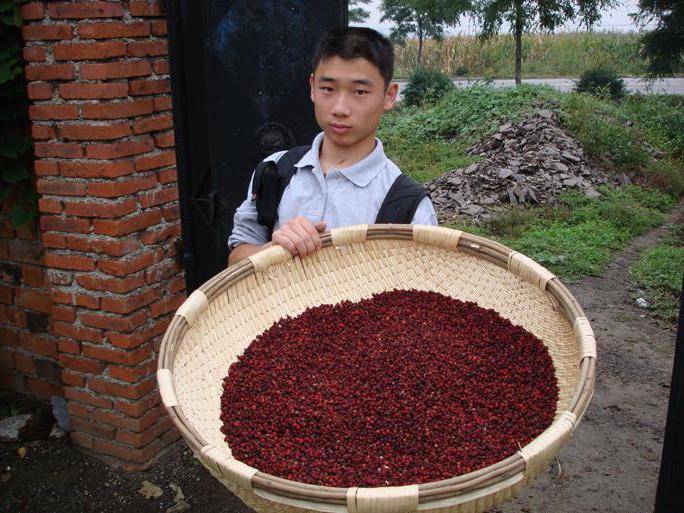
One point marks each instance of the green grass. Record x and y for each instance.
(659, 274)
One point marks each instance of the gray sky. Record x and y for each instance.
(616, 19)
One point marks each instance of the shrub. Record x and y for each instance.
(462, 71)
(601, 81)
(426, 86)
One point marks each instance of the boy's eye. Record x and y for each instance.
(361, 92)
(326, 89)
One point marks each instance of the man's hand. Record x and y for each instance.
(299, 236)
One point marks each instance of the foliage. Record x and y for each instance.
(666, 174)
(602, 81)
(525, 15)
(356, 13)
(664, 45)
(16, 191)
(543, 55)
(659, 273)
(424, 18)
(426, 86)
(661, 118)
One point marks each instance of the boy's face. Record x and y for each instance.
(349, 99)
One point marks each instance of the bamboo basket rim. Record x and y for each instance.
(471, 244)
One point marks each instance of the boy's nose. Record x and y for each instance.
(341, 106)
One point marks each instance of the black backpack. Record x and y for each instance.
(271, 179)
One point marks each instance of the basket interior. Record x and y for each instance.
(247, 308)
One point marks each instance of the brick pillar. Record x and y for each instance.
(98, 80)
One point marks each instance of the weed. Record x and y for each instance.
(659, 273)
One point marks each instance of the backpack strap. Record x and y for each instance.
(270, 181)
(401, 201)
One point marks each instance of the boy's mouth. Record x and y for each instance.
(340, 129)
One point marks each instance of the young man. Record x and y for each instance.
(344, 178)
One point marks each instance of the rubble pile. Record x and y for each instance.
(529, 162)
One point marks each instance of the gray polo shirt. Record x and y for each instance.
(343, 197)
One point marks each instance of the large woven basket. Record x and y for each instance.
(221, 318)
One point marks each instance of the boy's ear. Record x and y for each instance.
(311, 85)
(391, 95)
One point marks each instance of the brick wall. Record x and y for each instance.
(97, 74)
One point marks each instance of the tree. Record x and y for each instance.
(663, 46)
(527, 15)
(424, 18)
(358, 14)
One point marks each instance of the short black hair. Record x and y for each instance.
(354, 43)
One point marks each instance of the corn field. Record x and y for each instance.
(544, 55)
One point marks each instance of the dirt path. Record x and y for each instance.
(610, 465)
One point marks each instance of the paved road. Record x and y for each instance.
(667, 85)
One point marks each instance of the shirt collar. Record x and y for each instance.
(360, 174)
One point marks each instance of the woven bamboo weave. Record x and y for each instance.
(221, 318)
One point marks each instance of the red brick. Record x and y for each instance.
(126, 267)
(168, 176)
(161, 67)
(34, 54)
(67, 314)
(159, 197)
(130, 303)
(57, 277)
(89, 51)
(139, 408)
(111, 247)
(144, 8)
(7, 295)
(60, 187)
(45, 112)
(76, 332)
(140, 439)
(55, 149)
(34, 300)
(115, 70)
(109, 322)
(120, 188)
(45, 168)
(113, 30)
(73, 10)
(78, 364)
(75, 262)
(26, 231)
(53, 240)
(78, 91)
(162, 159)
(65, 345)
(50, 72)
(168, 305)
(141, 87)
(166, 140)
(7, 360)
(128, 391)
(147, 48)
(38, 344)
(41, 389)
(119, 285)
(133, 374)
(100, 209)
(137, 460)
(84, 396)
(171, 212)
(96, 169)
(26, 251)
(24, 363)
(33, 275)
(32, 11)
(65, 224)
(40, 91)
(152, 124)
(46, 32)
(60, 296)
(72, 379)
(120, 149)
(87, 301)
(159, 28)
(156, 236)
(162, 103)
(42, 132)
(81, 439)
(98, 430)
(118, 110)
(116, 228)
(13, 316)
(126, 341)
(8, 337)
(94, 132)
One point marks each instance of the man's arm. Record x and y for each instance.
(245, 250)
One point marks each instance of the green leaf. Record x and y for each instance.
(9, 71)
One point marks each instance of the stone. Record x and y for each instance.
(11, 427)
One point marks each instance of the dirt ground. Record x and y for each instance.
(610, 465)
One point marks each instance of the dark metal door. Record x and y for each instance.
(239, 74)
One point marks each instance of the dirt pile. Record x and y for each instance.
(529, 162)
